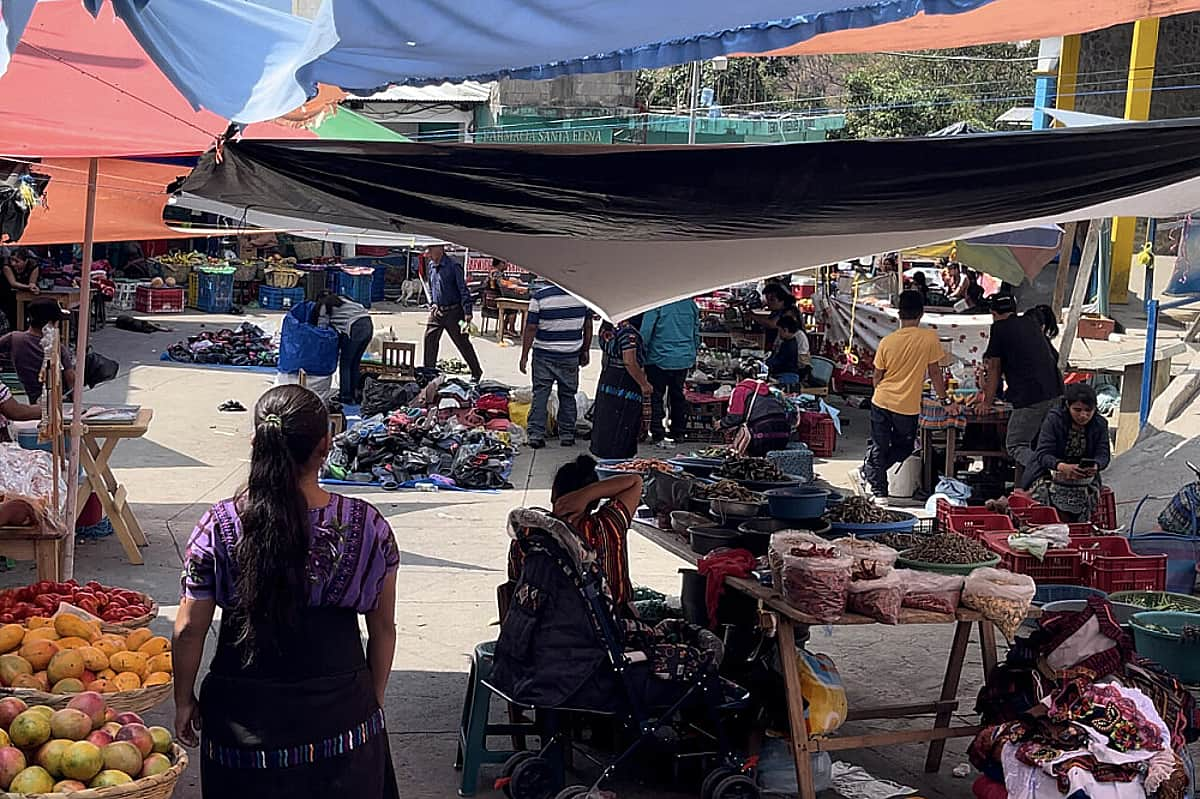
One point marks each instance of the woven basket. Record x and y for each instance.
(247, 271)
(306, 250)
(178, 271)
(160, 786)
(138, 701)
(281, 277)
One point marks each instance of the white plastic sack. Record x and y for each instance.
(905, 477)
(322, 386)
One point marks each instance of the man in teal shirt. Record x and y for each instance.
(672, 338)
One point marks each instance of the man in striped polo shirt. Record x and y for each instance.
(558, 329)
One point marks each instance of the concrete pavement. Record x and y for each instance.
(453, 554)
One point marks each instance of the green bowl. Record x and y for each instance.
(945, 568)
(1184, 603)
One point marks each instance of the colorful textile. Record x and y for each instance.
(605, 533)
(936, 416)
(351, 550)
(716, 567)
(615, 341)
(348, 741)
(1174, 702)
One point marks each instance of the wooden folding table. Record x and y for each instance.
(99, 442)
(784, 619)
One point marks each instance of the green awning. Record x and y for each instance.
(346, 125)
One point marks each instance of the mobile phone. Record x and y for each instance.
(1087, 463)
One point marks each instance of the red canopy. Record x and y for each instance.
(83, 88)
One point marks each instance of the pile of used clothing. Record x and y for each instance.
(1074, 712)
(440, 432)
(245, 345)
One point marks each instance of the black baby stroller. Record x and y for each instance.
(562, 648)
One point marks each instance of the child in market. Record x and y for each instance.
(789, 359)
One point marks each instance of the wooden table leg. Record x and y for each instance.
(786, 638)
(20, 314)
(951, 446)
(958, 653)
(927, 460)
(47, 554)
(101, 454)
(115, 516)
(987, 647)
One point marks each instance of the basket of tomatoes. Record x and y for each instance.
(117, 609)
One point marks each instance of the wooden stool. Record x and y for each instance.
(399, 359)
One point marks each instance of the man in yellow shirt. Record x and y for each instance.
(901, 363)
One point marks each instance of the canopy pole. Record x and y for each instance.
(1083, 277)
(85, 299)
(695, 96)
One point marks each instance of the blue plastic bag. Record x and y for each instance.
(304, 346)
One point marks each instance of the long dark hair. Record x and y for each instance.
(290, 424)
(326, 300)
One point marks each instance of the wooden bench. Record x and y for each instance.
(43, 547)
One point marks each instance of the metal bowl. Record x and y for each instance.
(682, 520)
(723, 509)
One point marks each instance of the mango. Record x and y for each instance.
(109, 645)
(38, 652)
(11, 636)
(71, 643)
(38, 622)
(69, 625)
(13, 666)
(93, 659)
(27, 681)
(138, 637)
(65, 665)
(42, 634)
(71, 685)
(155, 646)
(105, 674)
(30, 729)
(134, 662)
(161, 662)
(157, 678)
(34, 779)
(127, 681)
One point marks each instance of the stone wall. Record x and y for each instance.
(1104, 67)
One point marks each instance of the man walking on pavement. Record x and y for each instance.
(902, 361)
(558, 329)
(672, 336)
(451, 308)
(1019, 350)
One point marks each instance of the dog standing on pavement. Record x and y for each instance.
(411, 291)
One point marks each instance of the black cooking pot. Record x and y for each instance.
(706, 539)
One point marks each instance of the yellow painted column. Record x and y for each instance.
(1068, 73)
(1142, 55)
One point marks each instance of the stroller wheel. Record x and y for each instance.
(714, 778)
(532, 778)
(739, 786)
(573, 792)
(510, 765)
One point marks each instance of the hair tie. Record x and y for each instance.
(272, 419)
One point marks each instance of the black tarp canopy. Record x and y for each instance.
(630, 227)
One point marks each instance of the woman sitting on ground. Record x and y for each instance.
(576, 496)
(1072, 450)
(291, 706)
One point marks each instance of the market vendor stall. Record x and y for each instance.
(954, 420)
(100, 440)
(786, 619)
(67, 297)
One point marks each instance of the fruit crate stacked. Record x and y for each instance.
(818, 432)
(1056, 567)
(126, 292)
(1110, 565)
(214, 288)
(1036, 515)
(163, 300)
(946, 511)
(1105, 516)
(976, 525)
(355, 282)
(275, 299)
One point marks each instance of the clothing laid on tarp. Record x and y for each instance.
(629, 228)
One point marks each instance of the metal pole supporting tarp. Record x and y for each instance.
(85, 299)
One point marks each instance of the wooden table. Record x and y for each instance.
(785, 619)
(99, 442)
(953, 453)
(36, 543)
(505, 306)
(67, 297)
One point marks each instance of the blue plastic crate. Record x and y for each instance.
(356, 287)
(378, 282)
(279, 299)
(214, 292)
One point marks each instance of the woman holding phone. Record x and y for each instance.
(1072, 450)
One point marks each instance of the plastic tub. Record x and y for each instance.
(701, 467)
(1168, 648)
(1155, 600)
(768, 485)
(706, 539)
(769, 526)
(1050, 592)
(797, 502)
(733, 509)
(1121, 612)
(869, 530)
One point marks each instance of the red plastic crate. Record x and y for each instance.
(1058, 567)
(976, 525)
(945, 511)
(817, 431)
(1019, 499)
(1110, 565)
(1081, 530)
(1106, 515)
(164, 300)
(1035, 515)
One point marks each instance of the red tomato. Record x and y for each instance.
(117, 602)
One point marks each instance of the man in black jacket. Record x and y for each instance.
(1020, 351)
